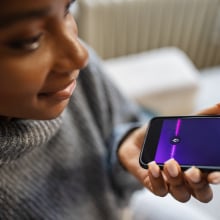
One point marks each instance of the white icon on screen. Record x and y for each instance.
(175, 140)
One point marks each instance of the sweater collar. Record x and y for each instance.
(18, 137)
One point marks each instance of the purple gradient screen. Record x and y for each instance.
(192, 141)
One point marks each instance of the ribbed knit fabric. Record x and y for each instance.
(66, 168)
(17, 137)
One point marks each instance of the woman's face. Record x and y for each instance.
(40, 58)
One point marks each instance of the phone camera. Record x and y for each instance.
(175, 140)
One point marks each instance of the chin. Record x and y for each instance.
(47, 114)
(50, 115)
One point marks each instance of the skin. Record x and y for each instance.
(40, 59)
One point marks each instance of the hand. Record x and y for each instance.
(181, 185)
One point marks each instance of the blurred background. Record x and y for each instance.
(138, 39)
(164, 54)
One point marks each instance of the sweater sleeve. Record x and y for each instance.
(123, 182)
(116, 116)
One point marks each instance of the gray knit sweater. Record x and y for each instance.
(67, 168)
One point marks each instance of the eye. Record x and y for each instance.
(67, 8)
(28, 44)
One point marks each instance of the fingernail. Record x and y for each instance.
(154, 169)
(172, 168)
(216, 181)
(214, 178)
(193, 174)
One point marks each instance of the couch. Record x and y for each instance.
(154, 49)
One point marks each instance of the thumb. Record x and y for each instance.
(214, 110)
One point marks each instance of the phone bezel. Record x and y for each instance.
(151, 139)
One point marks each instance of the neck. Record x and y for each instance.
(5, 118)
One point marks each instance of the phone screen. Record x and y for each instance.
(189, 140)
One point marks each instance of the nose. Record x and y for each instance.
(70, 53)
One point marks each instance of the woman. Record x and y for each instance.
(65, 151)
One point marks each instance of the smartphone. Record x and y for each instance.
(190, 140)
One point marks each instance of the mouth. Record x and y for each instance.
(60, 94)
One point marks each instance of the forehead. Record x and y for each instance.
(12, 10)
(13, 6)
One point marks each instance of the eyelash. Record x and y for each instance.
(33, 43)
(29, 44)
(68, 7)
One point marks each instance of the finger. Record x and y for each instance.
(157, 183)
(214, 110)
(214, 178)
(177, 185)
(199, 184)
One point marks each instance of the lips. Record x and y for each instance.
(60, 94)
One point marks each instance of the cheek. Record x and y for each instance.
(22, 77)
(19, 87)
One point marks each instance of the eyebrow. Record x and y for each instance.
(22, 16)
